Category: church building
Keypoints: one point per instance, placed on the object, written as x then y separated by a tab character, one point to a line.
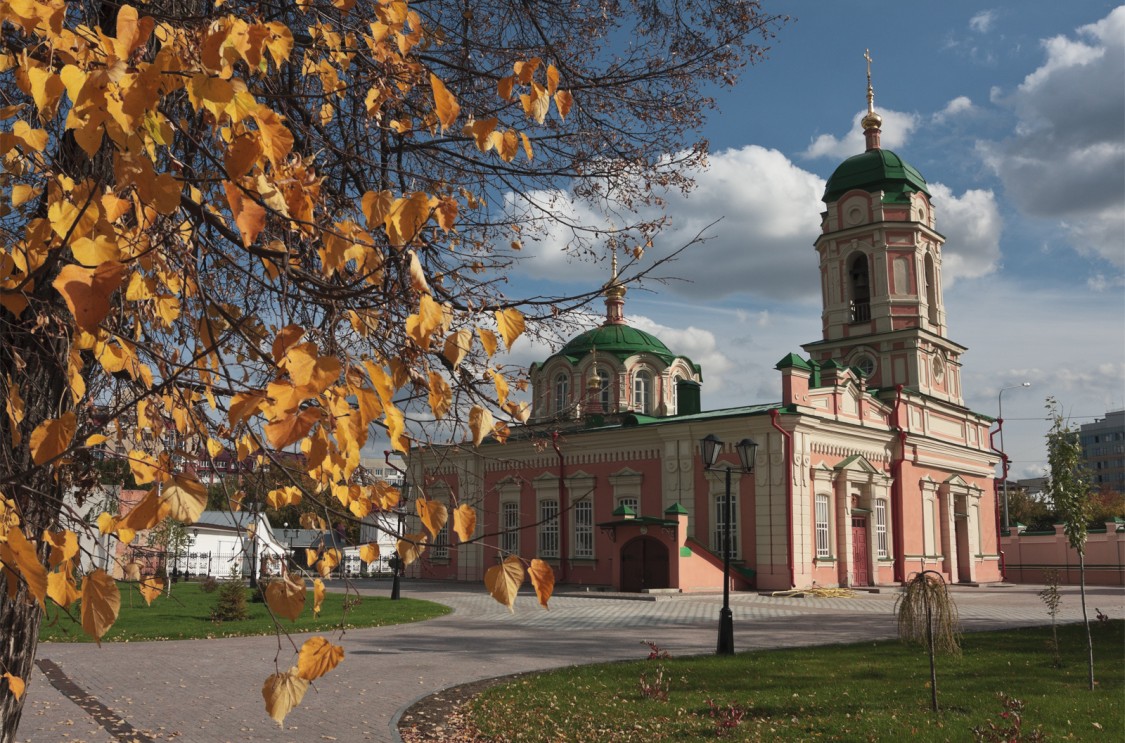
867	469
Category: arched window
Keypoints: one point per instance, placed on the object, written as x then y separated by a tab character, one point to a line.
562	393
675	405
604	394
859	279
931	290
642	392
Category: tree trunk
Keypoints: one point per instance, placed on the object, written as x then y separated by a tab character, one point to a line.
1086	617
19	628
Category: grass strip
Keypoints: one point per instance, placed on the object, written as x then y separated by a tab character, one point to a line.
186	615
868	691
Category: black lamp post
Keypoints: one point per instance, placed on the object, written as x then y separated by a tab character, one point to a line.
711	447
396	565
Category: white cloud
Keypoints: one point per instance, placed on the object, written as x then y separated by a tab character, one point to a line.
896	129
972	225
760	214
982	21
1067	157
959	105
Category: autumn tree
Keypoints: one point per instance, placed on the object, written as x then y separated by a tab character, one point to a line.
261	226
1069	486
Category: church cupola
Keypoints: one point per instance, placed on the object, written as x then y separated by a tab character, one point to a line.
880	265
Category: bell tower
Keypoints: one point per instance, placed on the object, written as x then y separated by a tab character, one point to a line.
880	268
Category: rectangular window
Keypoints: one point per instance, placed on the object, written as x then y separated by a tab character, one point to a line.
631	503
584	529
439	550
720	522
510	524
881	527
823	543
548	528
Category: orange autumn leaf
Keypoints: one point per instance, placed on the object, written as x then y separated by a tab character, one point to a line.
61	587
185	499
286	597
411	547
19	553
464	521
488	341
369	552
434	515
88	291
318	601
292	428
441	395
282	692
64	546
480	423
15	684
52	437
510	323
318	657
150	588
456	346
446	105
503	581
543	579
101	602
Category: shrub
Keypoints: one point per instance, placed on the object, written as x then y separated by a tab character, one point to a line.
231	606
209	584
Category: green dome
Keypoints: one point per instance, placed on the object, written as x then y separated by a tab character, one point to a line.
620	340
876	170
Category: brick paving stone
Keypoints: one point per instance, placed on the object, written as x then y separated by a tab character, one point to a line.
209	690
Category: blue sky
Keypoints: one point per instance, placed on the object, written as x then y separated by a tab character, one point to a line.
1014	113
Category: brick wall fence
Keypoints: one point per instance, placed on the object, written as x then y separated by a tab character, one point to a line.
1028	554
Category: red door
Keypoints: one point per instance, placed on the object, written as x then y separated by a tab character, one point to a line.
859	551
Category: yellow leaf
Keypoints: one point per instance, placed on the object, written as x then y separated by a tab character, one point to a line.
145	515
144	467
214	448
290	429
285	339
464	521
318	657
185	498
441	395
406	218
282	692
487	340
286	597
311	557
61	587
421	327
276	139
369	552
249	215
480	423
527	147
106	523
552	79
95	439
563	101
510	323
87	291
243	405
131	571
376	205
19	553
318	598
446	104
64	546
101	601
411	547
150	588
22	193
52	437
15	684
456	346
307	369
501	386
434	515
241	155
282	497
417	275
543	579
503	581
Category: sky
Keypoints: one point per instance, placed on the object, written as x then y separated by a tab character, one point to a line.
1015	115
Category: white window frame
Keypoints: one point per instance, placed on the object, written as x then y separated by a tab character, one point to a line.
631	501
510	527
548	531
643	385
718	502
881	528
823	515
562	393
584	530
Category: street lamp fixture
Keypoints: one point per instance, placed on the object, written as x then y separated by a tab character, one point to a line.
1003	451
710	448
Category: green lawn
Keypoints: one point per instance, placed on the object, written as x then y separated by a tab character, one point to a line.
186	614
871	691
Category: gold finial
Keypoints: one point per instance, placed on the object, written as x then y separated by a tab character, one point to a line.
613	280
872	121
594	383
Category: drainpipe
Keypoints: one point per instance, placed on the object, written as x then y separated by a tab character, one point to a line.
787	453
996	494
562	508
897	491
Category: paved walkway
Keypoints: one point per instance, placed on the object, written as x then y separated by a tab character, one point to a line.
209	690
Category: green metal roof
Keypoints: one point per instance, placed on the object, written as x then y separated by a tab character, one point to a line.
621	341
876	170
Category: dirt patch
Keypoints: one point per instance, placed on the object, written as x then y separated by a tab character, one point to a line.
440	717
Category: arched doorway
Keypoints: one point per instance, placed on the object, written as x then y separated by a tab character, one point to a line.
644	564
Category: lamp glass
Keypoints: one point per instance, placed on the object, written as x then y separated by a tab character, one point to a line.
746	451
710	446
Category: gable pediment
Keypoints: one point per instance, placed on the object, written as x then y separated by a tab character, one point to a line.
857	463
